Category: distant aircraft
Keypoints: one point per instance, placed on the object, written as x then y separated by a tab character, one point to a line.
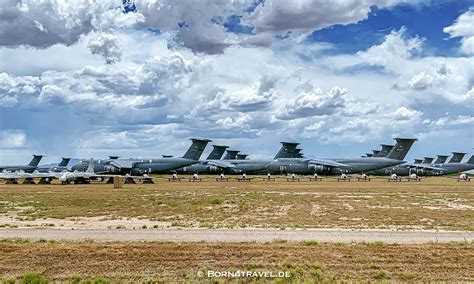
426	169
457	157
65	177
427	160
147	166
441	159
241	156
62	166
343	165
204	166
231	155
25	168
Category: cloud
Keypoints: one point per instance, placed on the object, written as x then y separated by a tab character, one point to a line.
463	27
421	81
298	18
312	101
108	46
41	24
11	139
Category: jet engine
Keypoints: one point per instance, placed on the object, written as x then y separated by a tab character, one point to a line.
318	168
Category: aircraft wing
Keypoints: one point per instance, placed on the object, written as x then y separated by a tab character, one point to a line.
220	163
328	163
424	167
123	164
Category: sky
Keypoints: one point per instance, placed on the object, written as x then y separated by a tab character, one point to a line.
84	78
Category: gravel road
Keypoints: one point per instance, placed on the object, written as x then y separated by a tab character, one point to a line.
240	235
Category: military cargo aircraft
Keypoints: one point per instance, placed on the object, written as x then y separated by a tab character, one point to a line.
146	166
344	165
25	168
62	166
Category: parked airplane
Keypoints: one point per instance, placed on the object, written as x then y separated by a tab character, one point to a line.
147	166
25	168
204	166
344	165
427	160
435	169
441	159
231	155
457	157
62	166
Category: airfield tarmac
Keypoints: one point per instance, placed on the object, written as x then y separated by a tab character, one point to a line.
327	230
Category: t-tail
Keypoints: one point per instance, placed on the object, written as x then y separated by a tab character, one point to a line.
64	162
217	152
471	160
457	157
287	150
385	150
401	148
418	161
375	153
35	161
241	156
441	159
427	160
231	154
195	151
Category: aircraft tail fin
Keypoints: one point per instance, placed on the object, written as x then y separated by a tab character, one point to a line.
427	160
35	161
401	148
418	161
231	154
457	157
471	160
217	152
385	150
375	153
369	154
64	162
241	156
441	159
195	151
287	150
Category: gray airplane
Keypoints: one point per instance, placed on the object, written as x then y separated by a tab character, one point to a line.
204	166
241	156
457	157
452	167
427	160
344	165
32	166
62	166
430	169
231	154
441	159
238	166
135	166
160	165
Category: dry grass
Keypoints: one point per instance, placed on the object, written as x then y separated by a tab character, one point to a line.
434	203
184	261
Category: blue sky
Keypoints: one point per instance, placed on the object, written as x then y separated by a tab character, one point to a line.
139	80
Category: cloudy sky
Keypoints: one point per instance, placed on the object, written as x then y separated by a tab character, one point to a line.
86	78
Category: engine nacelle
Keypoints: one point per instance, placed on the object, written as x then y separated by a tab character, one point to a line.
420	172
212	168
318	168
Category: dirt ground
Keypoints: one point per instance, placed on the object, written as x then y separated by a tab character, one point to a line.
192	261
432	204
